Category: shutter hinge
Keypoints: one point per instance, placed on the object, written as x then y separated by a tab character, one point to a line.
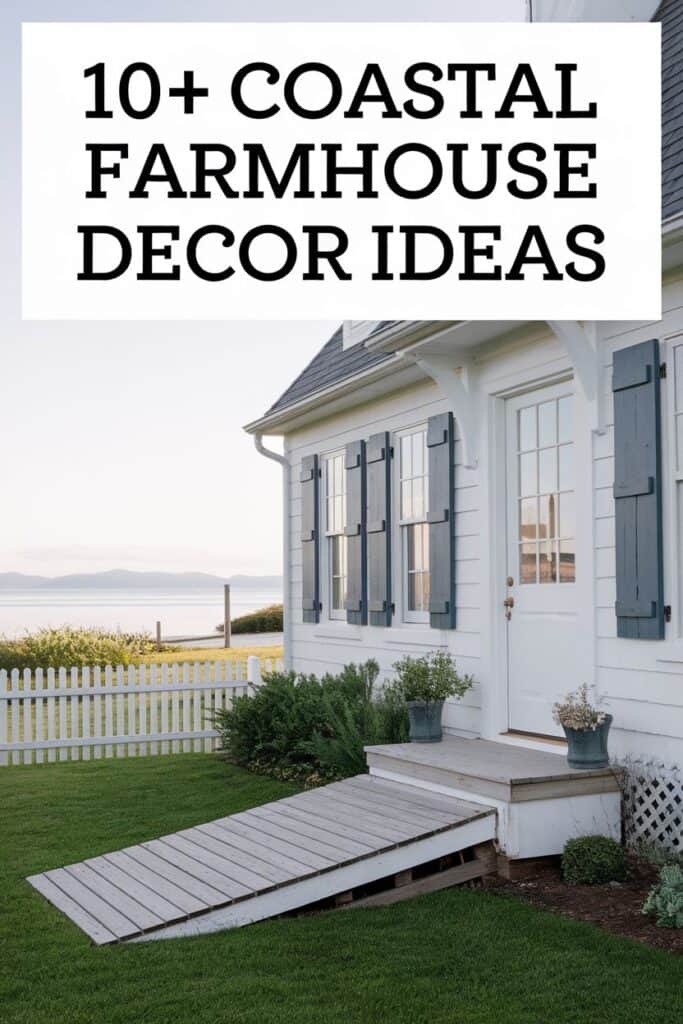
667	613
662	369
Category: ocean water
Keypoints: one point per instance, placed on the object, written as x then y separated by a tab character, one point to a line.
181	612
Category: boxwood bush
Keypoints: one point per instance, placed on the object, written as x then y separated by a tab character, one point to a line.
303	727
265	620
593	860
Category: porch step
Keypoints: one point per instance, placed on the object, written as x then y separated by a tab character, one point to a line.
486	770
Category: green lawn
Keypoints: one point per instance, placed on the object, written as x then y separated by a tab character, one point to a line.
462	957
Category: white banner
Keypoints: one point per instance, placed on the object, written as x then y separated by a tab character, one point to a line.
373	171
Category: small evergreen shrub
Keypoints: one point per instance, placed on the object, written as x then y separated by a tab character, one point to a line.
593	860
302	727
69	647
265	620
665	899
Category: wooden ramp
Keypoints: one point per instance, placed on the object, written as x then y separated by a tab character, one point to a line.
264	861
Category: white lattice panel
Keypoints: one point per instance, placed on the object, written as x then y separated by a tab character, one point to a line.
653	805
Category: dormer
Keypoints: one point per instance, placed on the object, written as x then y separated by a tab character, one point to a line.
355	331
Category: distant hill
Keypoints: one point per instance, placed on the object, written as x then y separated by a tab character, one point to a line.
122	579
20	581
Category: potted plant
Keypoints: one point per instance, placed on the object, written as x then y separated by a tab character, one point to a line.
425	683
586	729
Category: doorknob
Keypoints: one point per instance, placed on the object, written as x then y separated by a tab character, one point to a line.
509	602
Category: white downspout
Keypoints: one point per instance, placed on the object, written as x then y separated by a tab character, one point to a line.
286	585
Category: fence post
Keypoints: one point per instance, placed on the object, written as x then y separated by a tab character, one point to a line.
226	616
254	677
158	635
4	755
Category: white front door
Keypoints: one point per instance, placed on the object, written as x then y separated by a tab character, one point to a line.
541	556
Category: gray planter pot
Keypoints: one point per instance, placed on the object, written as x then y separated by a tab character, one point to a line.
587	748
425	720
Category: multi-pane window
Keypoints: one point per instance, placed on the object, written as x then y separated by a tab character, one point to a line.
335	524
415	530
545	460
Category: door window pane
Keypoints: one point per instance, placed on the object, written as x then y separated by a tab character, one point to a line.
567	562
527	563
547	520
566	467
565	418
527	519
547	562
547	423
567	517
527	428
547	470
528	481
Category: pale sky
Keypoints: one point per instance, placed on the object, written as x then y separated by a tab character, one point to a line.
121	443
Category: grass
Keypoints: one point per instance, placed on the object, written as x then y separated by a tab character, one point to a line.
192	654
457	957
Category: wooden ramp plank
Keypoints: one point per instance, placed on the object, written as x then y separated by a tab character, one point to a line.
334	828
136	889
157	883
421	798
396	809
125	904
290	833
171	849
195	844
352	816
259	835
238	858
93	904
93	928
257	851
285	819
183	879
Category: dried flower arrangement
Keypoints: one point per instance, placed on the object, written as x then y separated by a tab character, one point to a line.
577	712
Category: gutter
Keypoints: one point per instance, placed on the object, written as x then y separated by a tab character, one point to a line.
283	461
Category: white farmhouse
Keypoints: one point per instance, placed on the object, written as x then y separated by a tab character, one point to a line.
511	492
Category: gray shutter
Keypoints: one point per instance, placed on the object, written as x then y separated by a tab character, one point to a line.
310	538
638	492
441	454
356	578
378	459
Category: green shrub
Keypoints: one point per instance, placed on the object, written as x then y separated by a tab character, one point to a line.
593	860
433	677
299	726
355	719
265	620
69	647
665	899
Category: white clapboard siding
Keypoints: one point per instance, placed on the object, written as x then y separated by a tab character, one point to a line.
120	711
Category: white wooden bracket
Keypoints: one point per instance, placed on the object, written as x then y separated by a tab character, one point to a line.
461	387
581	343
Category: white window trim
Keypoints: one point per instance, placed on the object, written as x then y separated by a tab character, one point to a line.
406	616
332	614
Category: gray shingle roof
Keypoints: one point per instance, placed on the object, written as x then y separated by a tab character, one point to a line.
332	364
670	14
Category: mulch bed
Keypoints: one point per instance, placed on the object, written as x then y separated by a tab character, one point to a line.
614	907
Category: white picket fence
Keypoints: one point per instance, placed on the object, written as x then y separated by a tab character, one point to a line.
118	711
